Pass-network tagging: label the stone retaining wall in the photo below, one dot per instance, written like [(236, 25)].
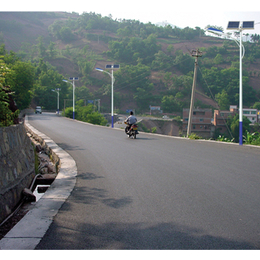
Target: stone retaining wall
[(37, 139), (17, 166)]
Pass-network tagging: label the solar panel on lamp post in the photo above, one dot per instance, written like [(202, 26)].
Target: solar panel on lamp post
[(237, 25)]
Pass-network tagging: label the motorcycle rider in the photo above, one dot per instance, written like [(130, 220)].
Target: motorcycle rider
[(130, 121)]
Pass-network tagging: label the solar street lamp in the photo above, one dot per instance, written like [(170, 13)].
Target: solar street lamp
[(57, 90), (240, 26), (73, 84), (112, 88)]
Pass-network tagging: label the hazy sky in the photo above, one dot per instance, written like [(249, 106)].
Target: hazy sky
[(180, 13)]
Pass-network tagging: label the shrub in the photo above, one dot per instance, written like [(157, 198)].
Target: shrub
[(69, 112), (86, 114), (194, 136), (7, 116), (252, 138), (222, 138), (154, 130)]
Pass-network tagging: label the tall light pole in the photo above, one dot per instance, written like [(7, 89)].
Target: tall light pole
[(237, 25), (112, 88), (57, 90), (73, 84)]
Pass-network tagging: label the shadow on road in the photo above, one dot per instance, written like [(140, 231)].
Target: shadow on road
[(69, 147), (135, 236), (143, 138), (81, 234)]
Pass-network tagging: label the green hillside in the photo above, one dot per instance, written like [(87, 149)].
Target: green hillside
[(156, 67)]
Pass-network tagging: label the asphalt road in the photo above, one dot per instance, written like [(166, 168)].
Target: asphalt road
[(154, 192)]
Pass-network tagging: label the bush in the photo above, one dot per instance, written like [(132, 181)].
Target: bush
[(86, 114), (154, 130), (69, 112), (222, 138), (194, 136), (7, 116), (96, 119), (252, 138)]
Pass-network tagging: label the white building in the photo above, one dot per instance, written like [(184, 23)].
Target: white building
[(250, 113)]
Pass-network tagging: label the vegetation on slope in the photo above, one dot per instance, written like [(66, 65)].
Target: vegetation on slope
[(156, 67)]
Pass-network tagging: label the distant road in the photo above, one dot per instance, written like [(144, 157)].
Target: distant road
[(155, 192)]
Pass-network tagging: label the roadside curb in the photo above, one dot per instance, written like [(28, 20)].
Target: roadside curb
[(29, 231)]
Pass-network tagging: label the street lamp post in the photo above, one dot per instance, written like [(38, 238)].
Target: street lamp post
[(57, 90), (237, 25), (112, 88), (240, 91), (73, 84)]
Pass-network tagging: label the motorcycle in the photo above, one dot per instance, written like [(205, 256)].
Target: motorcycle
[(132, 131)]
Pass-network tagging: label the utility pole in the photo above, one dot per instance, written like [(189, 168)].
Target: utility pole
[(196, 54)]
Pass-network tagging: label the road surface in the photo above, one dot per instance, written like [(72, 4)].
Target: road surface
[(155, 192)]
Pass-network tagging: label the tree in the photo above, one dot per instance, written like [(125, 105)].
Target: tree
[(124, 32), (21, 79), (184, 62), (48, 79), (257, 105), (162, 61), (41, 47), (233, 124), (218, 59), (223, 100), (52, 50), (172, 103), (55, 28), (133, 77), (213, 78), (8, 115), (85, 67), (182, 84), (66, 35), (83, 93), (168, 104), (134, 49), (255, 37), (143, 97)]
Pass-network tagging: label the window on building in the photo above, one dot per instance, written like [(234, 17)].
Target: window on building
[(201, 113)]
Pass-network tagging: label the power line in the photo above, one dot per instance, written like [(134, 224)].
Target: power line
[(216, 103)]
